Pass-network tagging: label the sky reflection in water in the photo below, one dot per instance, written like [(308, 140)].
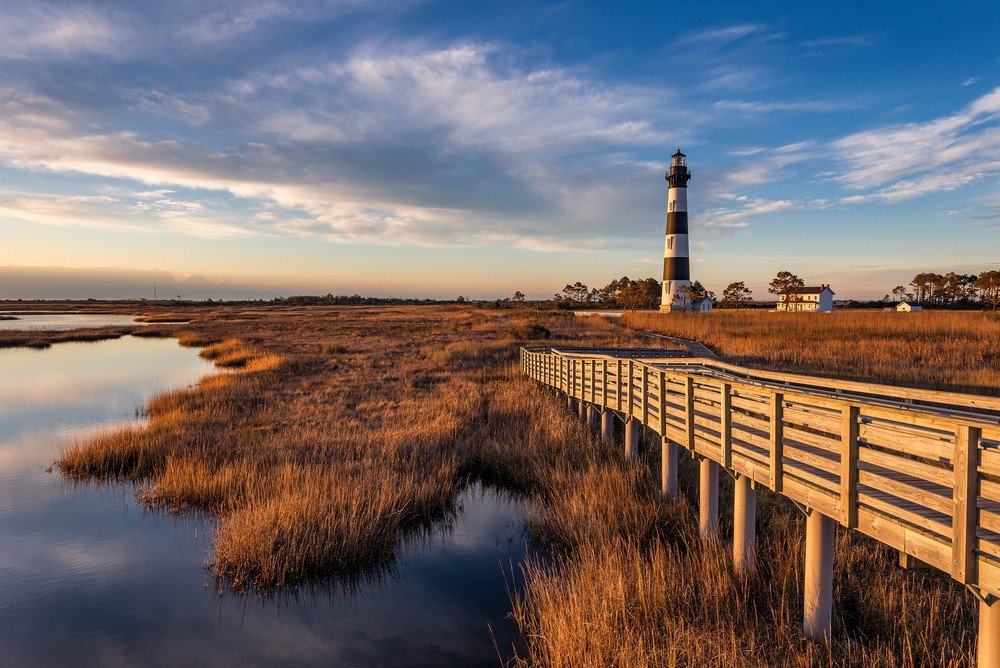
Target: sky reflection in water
[(87, 577)]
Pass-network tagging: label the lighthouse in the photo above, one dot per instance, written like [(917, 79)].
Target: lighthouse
[(676, 263)]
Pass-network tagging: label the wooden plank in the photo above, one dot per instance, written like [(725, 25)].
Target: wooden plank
[(813, 476), (911, 467), (630, 406), (825, 442), (817, 459), (929, 549), (965, 517), (604, 383), (662, 430), (849, 467), (902, 510), (923, 493), (796, 489), (925, 444), (689, 412), (645, 394), (726, 424), (777, 441)]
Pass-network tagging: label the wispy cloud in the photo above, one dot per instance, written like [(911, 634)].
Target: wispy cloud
[(839, 42), (971, 81), (428, 147), (723, 34), (762, 107), (909, 160)]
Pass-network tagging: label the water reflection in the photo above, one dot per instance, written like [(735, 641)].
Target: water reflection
[(88, 577), (63, 321)]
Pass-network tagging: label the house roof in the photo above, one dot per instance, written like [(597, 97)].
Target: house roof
[(812, 290), (700, 300)]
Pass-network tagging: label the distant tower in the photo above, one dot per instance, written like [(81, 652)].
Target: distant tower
[(676, 263)]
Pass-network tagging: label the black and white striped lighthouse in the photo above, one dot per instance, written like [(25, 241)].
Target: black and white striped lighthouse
[(676, 263)]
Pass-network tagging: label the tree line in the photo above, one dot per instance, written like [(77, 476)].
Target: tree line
[(645, 293), (951, 289)]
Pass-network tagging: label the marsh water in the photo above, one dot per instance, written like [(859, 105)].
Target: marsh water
[(87, 576), (63, 321)]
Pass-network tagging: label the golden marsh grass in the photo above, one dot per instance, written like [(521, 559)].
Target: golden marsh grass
[(344, 429)]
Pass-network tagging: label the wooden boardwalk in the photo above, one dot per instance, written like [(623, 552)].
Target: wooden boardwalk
[(917, 470)]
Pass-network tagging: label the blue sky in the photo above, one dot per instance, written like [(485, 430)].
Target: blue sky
[(434, 148)]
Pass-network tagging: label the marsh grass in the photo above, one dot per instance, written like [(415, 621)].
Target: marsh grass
[(320, 465), (45, 338), (954, 350)]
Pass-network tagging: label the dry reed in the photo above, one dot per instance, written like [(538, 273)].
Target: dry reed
[(955, 350), (317, 463)]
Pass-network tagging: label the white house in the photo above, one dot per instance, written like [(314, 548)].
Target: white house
[(809, 299), (703, 305), (906, 307)]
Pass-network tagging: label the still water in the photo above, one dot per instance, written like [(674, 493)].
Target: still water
[(63, 321), (87, 577)]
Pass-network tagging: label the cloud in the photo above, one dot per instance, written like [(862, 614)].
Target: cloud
[(839, 42), (725, 34), (722, 221), (972, 80), (910, 160), (452, 146), (60, 31), (757, 106)]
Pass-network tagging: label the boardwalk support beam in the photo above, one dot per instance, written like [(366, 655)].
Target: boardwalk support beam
[(988, 643), (631, 439), (818, 604), (607, 425), (744, 525), (668, 469), (593, 417)]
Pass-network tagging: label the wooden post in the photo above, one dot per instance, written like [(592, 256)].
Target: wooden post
[(618, 386), (744, 525), (965, 493), (593, 417), (661, 390), (631, 439), (668, 468), (593, 380), (645, 395), (689, 412), (604, 383), (629, 393), (570, 402), (777, 440), (988, 641), (726, 424), (708, 499), (818, 604), (849, 467), (607, 425), (582, 410)]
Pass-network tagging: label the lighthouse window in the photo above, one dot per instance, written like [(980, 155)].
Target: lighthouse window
[(670, 243), (673, 205)]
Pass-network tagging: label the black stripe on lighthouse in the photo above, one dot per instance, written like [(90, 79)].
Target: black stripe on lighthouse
[(676, 269), (677, 222)]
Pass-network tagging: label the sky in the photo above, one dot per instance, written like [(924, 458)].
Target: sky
[(258, 148)]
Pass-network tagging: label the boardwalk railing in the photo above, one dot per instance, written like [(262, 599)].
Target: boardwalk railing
[(917, 470)]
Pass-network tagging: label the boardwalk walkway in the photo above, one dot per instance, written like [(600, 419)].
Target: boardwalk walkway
[(914, 469)]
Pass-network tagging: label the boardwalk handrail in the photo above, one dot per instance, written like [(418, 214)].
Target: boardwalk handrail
[(917, 470)]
